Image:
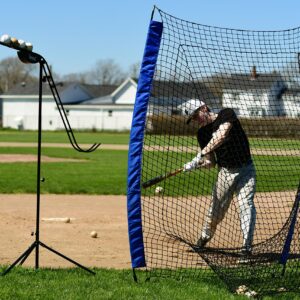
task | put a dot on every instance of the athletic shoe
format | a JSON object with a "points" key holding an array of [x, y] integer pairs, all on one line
{"points": [[245, 256], [202, 242], [199, 246]]}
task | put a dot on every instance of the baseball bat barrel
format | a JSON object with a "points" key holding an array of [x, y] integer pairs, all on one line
{"points": [[160, 178]]}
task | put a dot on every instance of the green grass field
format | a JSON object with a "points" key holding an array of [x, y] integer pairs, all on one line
{"points": [[106, 284], [104, 172], [123, 138], [74, 284], [61, 137]]}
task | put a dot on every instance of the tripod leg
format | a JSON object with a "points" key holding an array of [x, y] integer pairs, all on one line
{"points": [[67, 258], [28, 253], [22, 258]]}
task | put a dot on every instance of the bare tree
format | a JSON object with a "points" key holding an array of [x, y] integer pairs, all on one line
{"points": [[106, 72], [134, 70], [76, 77], [13, 71]]}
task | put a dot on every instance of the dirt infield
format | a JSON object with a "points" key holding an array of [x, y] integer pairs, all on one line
{"points": [[105, 214], [255, 151]]}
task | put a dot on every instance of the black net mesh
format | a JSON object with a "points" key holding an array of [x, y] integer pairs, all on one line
{"points": [[255, 73]]}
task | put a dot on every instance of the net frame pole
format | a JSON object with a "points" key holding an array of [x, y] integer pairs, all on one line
{"points": [[289, 238], [247, 72], [136, 144]]}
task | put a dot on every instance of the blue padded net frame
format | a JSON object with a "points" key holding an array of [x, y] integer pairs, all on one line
{"points": [[136, 145]]}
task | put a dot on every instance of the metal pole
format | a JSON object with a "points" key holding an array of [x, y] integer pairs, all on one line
{"points": [[38, 180], [33, 58]]}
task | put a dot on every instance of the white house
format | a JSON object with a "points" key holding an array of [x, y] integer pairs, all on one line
{"points": [[170, 97], [101, 117], [87, 106], [22, 112], [255, 94], [291, 100], [110, 112]]}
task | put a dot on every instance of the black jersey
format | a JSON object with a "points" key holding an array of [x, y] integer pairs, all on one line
{"points": [[234, 151]]}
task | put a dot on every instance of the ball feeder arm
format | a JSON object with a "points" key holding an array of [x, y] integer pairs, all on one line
{"points": [[26, 55], [11, 42], [48, 77]]}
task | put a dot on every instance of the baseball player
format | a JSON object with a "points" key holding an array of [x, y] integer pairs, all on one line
{"points": [[223, 142]]}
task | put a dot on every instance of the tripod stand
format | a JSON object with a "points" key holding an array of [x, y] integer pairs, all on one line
{"points": [[31, 57]]}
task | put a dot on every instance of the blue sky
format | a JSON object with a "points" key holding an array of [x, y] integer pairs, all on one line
{"points": [[73, 35]]}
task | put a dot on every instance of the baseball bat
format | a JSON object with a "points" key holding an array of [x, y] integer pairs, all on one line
{"points": [[160, 178]]}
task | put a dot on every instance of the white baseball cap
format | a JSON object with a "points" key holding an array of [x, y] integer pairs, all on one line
{"points": [[191, 107]]}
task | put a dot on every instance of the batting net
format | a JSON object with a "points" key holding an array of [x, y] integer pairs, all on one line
{"points": [[255, 73]]}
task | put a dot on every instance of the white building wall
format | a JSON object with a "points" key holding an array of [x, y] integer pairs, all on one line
{"points": [[22, 113], [107, 118], [128, 97], [264, 105], [239, 102], [292, 107], [249, 103]]}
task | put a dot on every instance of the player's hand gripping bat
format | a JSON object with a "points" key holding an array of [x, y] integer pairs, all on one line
{"points": [[160, 178]]}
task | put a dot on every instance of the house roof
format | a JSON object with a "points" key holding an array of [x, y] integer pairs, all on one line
{"points": [[99, 90], [66, 90], [111, 97], [166, 93], [172, 93], [292, 91], [291, 94], [248, 82], [33, 88], [100, 100], [128, 81]]}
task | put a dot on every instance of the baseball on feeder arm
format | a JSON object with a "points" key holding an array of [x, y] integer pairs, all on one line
{"points": [[5, 39], [15, 43]]}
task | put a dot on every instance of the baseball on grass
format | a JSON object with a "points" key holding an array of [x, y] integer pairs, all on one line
{"points": [[242, 289], [93, 234], [159, 190]]}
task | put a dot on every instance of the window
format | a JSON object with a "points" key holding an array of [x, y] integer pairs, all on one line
{"points": [[110, 112], [257, 111]]}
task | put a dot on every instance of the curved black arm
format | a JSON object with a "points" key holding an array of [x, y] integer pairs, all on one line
{"points": [[32, 58], [62, 112]]}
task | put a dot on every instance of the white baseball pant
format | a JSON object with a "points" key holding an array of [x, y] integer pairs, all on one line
{"points": [[239, 181]]}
